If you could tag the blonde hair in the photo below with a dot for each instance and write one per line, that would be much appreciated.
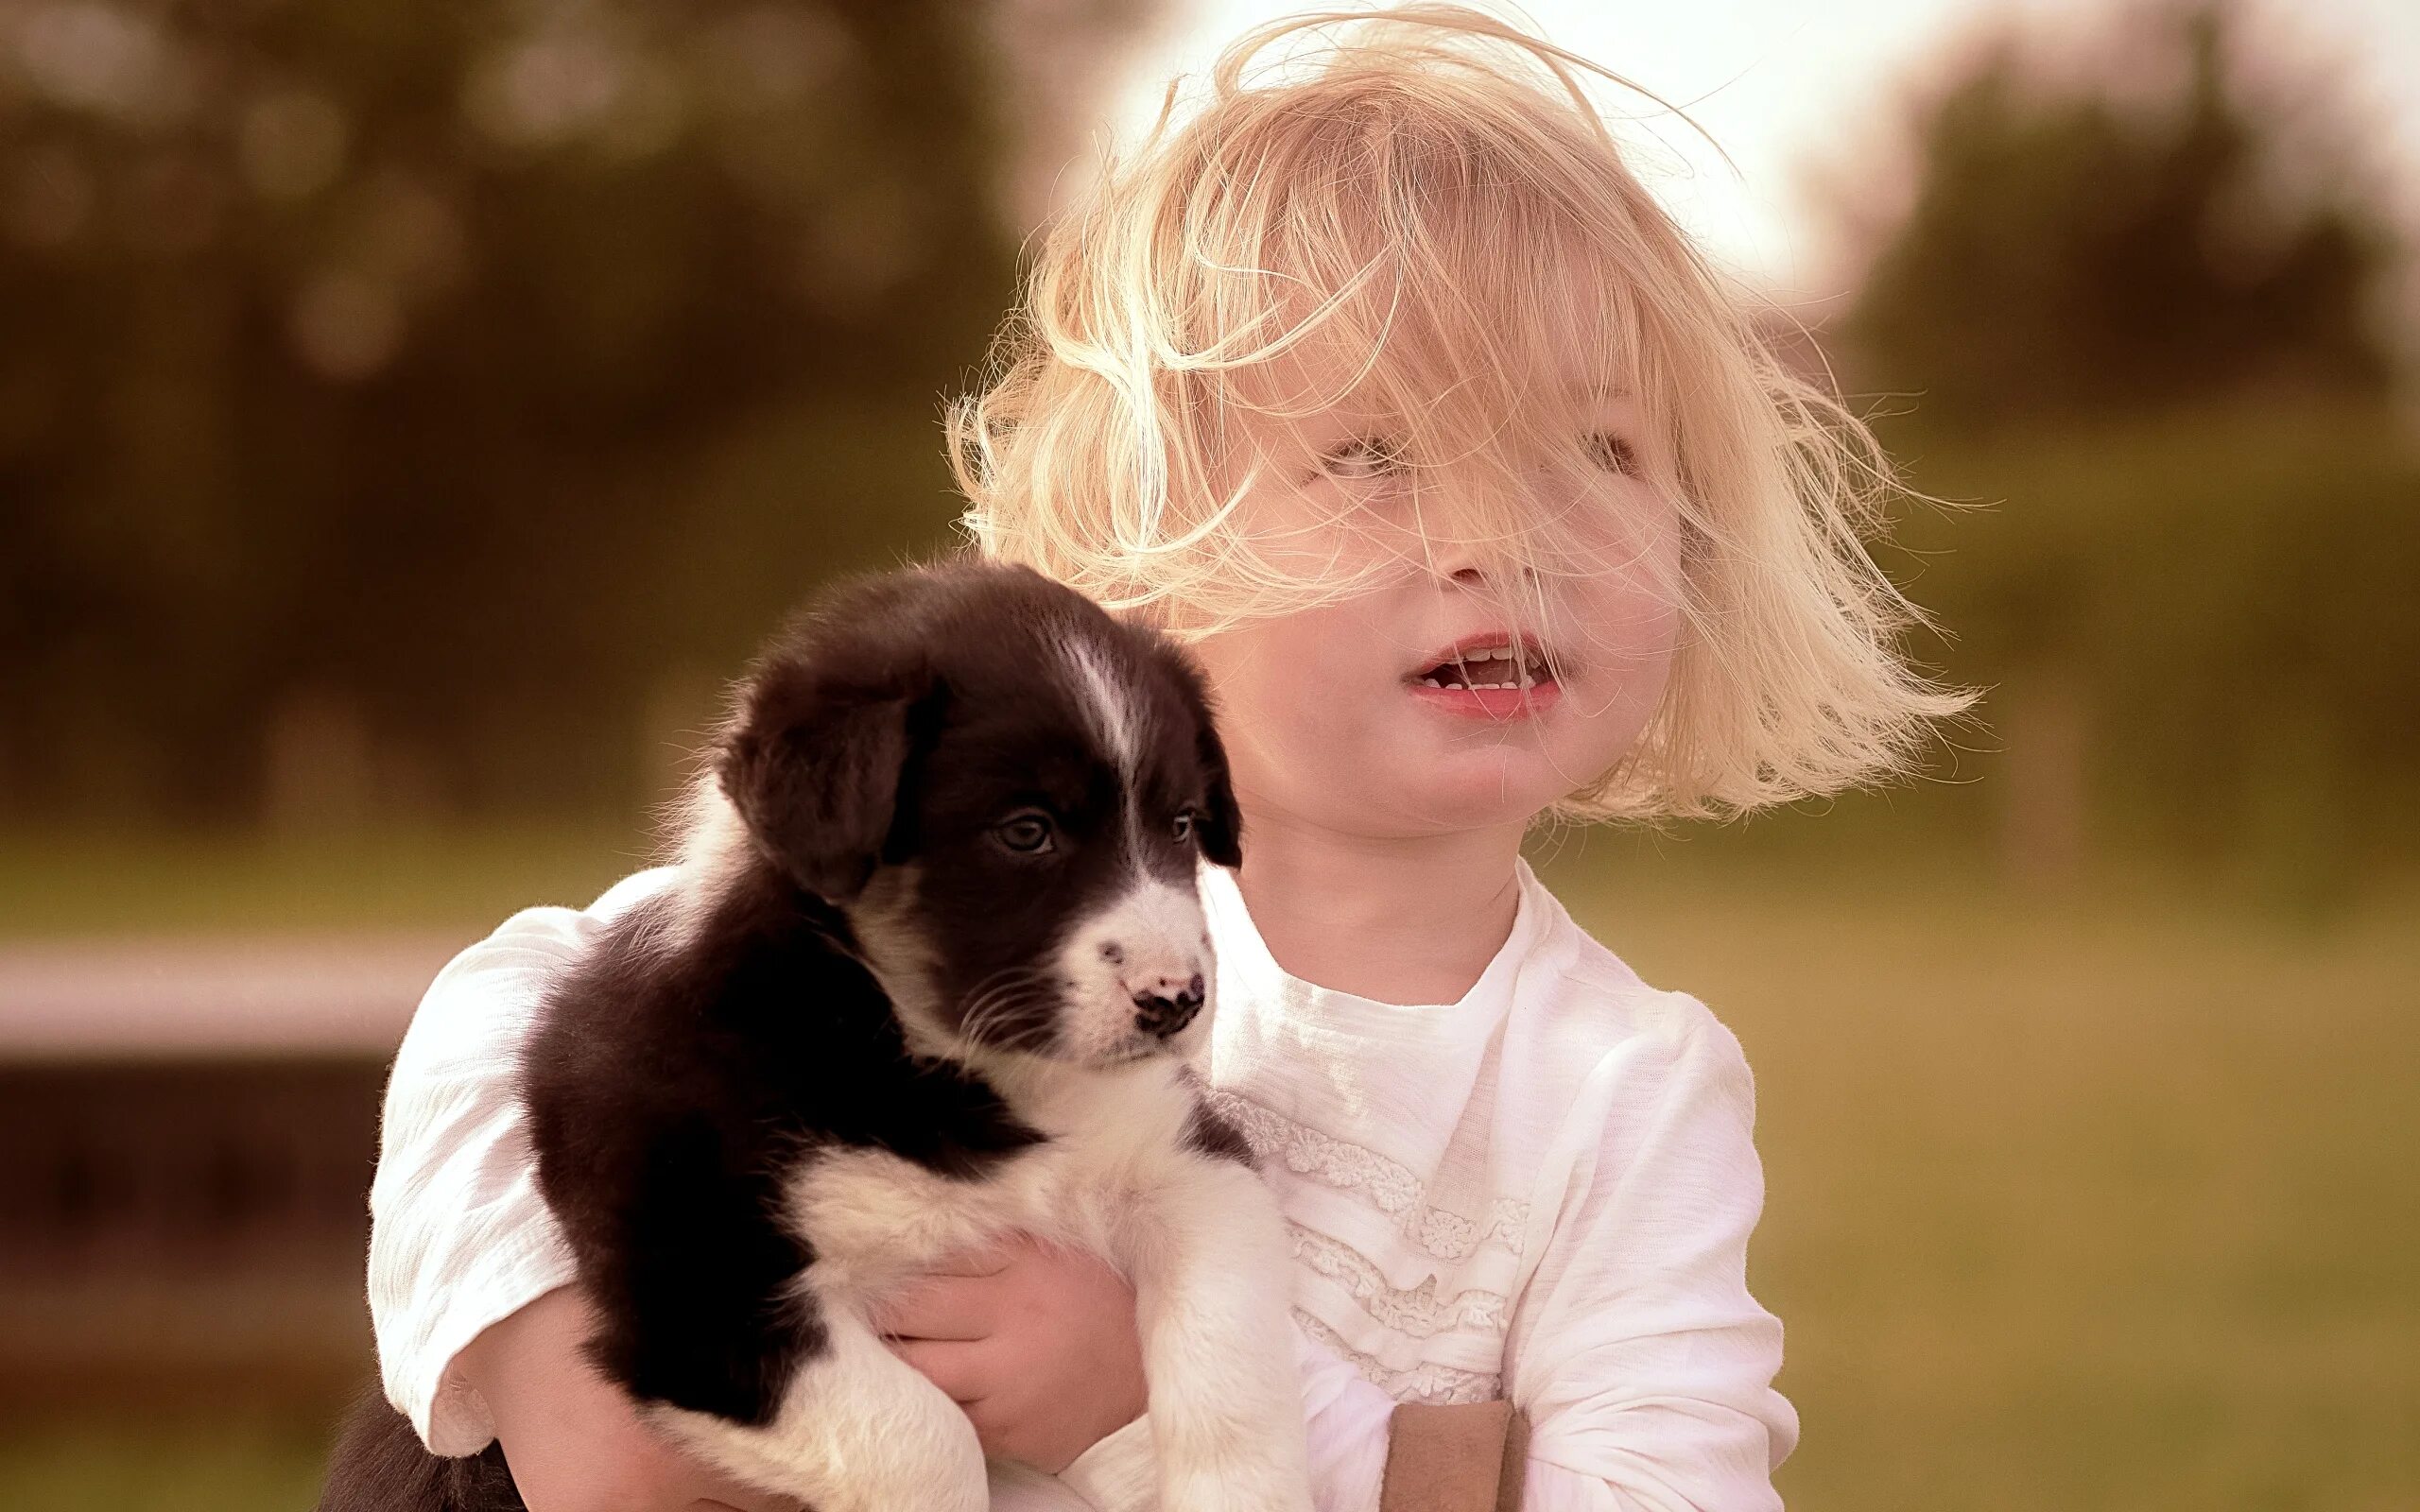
(1427, 198)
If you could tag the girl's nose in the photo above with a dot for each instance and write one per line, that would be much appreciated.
(1453, 561)
(1460, 567)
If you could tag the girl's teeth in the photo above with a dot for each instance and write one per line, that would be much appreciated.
(1474, 669)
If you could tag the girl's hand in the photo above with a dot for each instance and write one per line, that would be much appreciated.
(1037, 1344)
(575, 1441)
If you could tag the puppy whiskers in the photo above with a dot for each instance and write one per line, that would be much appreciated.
(1000, 999)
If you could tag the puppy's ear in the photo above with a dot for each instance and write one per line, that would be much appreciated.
(813, 763)
(1221, 827)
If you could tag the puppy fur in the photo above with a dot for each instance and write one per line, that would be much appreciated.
(928, 974)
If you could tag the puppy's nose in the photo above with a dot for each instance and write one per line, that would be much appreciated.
(1165, 1008)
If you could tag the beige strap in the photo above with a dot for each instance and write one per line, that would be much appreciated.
(1462, 1458)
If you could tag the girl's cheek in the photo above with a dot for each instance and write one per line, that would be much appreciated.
(1221, 668)
(1639, 635)
(1247, 670)
(1626, 617)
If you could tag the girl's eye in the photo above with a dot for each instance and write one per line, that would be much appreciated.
(1362, 456)
(1613, 454)
(1183, 828)
(1028, 834)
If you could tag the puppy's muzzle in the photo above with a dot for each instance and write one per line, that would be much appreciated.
(1138, 975)
(1166, 1007)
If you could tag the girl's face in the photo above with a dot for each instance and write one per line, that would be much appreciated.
(1354, 716)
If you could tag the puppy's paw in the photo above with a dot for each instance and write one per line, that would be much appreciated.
(911, 1460)
(1242, 1487)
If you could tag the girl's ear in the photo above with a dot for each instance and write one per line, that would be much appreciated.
(813, 763)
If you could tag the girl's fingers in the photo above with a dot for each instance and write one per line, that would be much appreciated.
(986, 1414)
(939, 1307)
(720, 1493)
(965, 1373)
(988, 1259)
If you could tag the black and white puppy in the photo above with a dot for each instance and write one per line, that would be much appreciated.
(928, 974)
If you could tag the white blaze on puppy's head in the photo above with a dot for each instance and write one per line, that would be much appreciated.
(1138, 971)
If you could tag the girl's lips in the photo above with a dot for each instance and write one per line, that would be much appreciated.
(1494, 704)
(1490, 675)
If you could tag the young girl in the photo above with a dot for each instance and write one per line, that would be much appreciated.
(1384, 384)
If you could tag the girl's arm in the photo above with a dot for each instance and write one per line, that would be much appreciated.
(1643, 1364)
(479, 1329)
(575, 1440)
(459, 1238)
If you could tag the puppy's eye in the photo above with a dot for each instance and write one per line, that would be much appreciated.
(1028, 834)
(1183, 828)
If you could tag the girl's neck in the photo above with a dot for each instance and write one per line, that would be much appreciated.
(1410, 920)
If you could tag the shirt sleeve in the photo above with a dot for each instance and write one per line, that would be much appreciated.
(1346, 1417)
(459, 1236)
(1644, 1366)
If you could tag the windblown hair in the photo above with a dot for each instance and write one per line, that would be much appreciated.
(1420, 217)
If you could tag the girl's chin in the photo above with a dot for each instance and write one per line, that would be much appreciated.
(1420, 786)
(1470, 794)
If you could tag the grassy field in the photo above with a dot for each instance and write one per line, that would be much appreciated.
(2106, 1201)
(2098, 1203)
(249, 1464)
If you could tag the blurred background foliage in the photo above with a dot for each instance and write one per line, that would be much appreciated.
(2072, 254)
(409, 413)
(2159, 332)
(401, 391)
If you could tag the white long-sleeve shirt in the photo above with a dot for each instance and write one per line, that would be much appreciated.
(1543, 1190)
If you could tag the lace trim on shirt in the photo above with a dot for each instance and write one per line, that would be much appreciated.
(1417, 1313)
(1423, 1383)
(1387, 1183)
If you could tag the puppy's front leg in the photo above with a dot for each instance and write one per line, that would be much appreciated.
(856, 1429)
(1211, 1285)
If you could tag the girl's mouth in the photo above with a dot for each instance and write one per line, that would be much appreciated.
(1490, 677)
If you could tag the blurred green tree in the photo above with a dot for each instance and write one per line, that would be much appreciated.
(2146, 315)
(429, 380)
(2067, 255)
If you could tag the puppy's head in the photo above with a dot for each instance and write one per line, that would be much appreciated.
(1007, 792)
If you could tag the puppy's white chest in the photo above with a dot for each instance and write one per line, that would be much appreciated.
(874, 1219)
